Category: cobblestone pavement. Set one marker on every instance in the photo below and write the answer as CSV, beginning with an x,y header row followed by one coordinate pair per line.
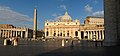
x,y
54,48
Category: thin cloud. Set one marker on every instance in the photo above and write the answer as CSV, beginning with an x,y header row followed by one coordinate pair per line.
x,y
98,13
55,15
9,15
88,8
64,7
58,18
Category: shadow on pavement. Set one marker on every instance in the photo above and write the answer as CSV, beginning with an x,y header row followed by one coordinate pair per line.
x,y
84,51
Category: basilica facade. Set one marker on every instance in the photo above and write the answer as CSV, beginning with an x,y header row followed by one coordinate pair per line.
x,y
65,27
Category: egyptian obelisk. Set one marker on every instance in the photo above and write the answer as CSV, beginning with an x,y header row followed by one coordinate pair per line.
x,y
35,24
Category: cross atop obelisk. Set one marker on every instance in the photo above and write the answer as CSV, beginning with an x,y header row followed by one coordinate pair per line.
x,y
35,24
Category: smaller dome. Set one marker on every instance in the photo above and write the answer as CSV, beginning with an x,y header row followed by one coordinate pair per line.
x,y
66,17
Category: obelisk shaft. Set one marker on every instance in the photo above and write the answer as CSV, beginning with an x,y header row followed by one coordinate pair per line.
x,y
35,24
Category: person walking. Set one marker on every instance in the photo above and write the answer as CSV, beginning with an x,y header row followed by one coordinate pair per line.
x,y
72,44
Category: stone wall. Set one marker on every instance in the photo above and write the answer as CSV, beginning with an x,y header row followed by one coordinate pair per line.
x,y
112,28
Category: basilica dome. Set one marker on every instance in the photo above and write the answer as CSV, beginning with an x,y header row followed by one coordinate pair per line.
x,y
66,17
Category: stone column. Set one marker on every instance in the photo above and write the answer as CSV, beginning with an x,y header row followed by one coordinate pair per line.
x,y
0,33
60,32
21,34
91,34
52,32
16,33
84,34
3,33
79,34
7,33
73,33
11,35
44,31
70,32
26,34
63,42
88,35
102,34
99,35
49,34
66,32
57,32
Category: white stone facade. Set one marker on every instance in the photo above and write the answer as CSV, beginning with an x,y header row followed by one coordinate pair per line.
x,y
68,28
15,32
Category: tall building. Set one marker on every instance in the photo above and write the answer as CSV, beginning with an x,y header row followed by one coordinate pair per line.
x,y
95,27
35,24
65,27
112,22
94,20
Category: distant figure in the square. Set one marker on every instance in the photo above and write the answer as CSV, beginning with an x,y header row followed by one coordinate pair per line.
x,y
72,44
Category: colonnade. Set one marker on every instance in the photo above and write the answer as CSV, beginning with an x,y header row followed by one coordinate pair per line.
x,y
4,33
82,34
93,35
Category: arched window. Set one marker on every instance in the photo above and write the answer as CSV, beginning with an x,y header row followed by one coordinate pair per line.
x,y
76,23
67,34
60,34
82,34
54,34
47,33
76,33
47,23
64,35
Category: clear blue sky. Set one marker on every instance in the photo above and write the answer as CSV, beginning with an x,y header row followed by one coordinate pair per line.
x,y
20,12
